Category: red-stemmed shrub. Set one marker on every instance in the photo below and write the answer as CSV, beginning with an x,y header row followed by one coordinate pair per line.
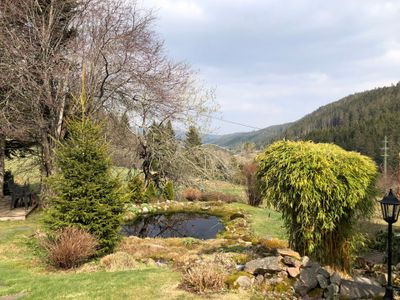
x,y
70,247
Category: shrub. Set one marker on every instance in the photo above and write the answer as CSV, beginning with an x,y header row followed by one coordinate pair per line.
x,y
168,191
203,278
191,194
217,196
253,191
70,247
136,190
151,194
322,191
85,193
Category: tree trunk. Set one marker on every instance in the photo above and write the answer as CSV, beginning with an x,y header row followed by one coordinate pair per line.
x,y
47,155
2,163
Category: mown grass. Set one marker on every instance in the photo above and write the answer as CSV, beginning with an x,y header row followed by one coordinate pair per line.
x,y
151,283
23,271
265,222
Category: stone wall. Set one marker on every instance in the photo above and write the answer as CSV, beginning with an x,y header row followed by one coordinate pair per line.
x,y
310,280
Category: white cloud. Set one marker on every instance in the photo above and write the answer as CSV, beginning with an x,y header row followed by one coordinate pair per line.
x,y
273,61
180,10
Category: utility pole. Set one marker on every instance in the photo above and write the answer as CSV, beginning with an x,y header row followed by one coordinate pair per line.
x,y
385,156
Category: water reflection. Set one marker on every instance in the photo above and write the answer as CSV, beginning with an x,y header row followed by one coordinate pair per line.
x,y
198,226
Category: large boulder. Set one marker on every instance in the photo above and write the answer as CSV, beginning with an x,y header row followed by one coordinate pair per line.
x,y
270,264
291,262
307,280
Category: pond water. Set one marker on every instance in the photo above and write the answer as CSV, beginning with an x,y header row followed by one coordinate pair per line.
x,y
199,226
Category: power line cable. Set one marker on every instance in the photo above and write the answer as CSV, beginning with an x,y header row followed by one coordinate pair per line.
x,y
231,122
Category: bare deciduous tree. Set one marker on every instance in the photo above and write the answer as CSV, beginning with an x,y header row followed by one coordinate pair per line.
x,y
45,45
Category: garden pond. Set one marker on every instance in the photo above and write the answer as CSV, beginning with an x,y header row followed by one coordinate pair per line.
x,y
181,224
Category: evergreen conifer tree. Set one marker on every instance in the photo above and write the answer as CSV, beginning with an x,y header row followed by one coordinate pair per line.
x,y
136,189
168,191
86,194
193,138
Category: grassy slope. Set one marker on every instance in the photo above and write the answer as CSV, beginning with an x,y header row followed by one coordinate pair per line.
x,y
22,271
264,222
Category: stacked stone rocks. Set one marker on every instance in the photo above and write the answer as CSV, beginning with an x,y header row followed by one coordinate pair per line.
x,y
311,280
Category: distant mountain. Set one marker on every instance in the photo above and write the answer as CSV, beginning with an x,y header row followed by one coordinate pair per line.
x,y
260,137
358,122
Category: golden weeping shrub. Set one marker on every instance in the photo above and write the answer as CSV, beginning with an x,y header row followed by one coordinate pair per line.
x,y
321,191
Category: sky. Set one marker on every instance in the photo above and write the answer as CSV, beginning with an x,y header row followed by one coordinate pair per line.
x,y
274,61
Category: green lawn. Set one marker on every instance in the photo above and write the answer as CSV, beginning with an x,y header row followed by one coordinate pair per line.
x,y
265,222
23,271
139,284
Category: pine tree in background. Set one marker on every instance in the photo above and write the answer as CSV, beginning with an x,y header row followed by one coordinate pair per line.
x,y
152,193
193,138
86,194
136,190
168,192
170,130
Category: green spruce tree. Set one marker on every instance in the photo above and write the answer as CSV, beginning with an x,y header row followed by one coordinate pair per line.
x,y
193,138
85,193
136,189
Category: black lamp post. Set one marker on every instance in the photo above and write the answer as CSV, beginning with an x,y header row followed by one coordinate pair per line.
x,y
390,206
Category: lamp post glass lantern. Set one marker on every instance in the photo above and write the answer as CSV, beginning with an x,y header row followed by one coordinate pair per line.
x,y
390,207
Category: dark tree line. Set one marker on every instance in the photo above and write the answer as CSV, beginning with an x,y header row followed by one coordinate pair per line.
x,y
358,122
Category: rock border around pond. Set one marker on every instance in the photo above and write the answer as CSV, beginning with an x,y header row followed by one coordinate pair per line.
x,y
311,281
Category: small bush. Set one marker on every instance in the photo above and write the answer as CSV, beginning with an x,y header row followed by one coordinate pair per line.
x,y
151,193
191,194
253,190
203,278
136,189
217,196
70,247
168,192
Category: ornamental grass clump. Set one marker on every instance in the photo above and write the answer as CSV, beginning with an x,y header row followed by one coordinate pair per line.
x,y
322,192
203,278
69,247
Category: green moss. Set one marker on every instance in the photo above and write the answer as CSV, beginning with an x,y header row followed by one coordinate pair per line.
x,y
241,258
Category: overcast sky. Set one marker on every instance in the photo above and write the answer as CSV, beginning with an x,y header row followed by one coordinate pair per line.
x,y
274,61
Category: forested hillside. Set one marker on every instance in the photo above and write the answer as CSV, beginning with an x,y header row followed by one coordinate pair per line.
x,y
260,137
357,122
